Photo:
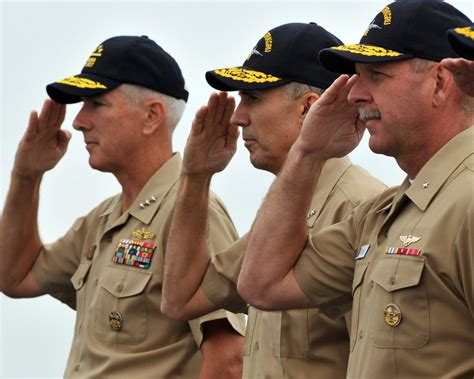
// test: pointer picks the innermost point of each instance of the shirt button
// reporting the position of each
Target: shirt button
(391, 280)
(120, 287)
(76, 368)
(96, 281)
(360, 335)
(257, 346)
(80, 282)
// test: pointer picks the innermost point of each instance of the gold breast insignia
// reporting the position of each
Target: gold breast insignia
(408, 240)
(143, 234)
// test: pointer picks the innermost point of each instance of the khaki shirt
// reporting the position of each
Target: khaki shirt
(120, 331)
(407, 260)
(301, 343)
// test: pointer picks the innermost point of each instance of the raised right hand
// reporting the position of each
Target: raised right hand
(332, 128)
(44, 142)
(213, 139)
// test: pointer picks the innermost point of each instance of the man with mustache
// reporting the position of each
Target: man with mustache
(277, 84)
(409, 253)
(109, 264)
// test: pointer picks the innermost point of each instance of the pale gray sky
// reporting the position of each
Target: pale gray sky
(45, 41)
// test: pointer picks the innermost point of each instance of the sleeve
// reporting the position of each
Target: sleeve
(463, 260)
(57, 263)
(237, 321)
(220, 281)
(325, 268)
(221, 234)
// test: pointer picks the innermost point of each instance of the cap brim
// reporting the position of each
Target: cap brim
(342, 59)
(71, 89)
(462, 41)
(242, 78)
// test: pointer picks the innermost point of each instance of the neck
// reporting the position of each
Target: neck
(440, 134)
(133, 178)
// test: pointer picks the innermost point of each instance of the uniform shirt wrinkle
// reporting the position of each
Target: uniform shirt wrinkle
(302, 343)
(419, 263)
(82, 265)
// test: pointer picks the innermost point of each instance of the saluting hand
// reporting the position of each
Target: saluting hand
(332, 128)
(212, 141)
(44, 142)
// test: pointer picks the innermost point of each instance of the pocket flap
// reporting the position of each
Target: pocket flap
(79, 277)
(123, 283)
(359, 272)
(394, 273)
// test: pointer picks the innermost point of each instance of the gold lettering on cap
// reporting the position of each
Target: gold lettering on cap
(387, 16)
(268, 42)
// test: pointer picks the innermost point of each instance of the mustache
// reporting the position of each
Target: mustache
(368, 114)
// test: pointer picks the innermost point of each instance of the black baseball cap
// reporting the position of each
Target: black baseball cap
(462, 41)
(287, 53)
(119, 60)
(402, 30)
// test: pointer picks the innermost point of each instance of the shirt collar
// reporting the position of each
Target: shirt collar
(150, 197)
(439, 168)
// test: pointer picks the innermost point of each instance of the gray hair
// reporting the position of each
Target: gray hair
(295, 90)
(136, 95)
(420, 66)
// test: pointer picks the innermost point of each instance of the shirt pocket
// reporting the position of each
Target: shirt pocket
(397, 282)
(293, 333)
(359, 274)
(121, 313)
(78, 280)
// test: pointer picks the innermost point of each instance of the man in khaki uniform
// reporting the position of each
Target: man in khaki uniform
(277, 84)
(462, 41)
(109, 265)
(405, 259)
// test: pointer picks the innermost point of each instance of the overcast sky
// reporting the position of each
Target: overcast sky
(45, 41)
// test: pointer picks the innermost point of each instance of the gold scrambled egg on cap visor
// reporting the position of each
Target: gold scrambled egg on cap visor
(462, 41)
(70, 90)
(341, 59)
(242, 78)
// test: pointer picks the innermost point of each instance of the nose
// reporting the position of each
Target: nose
(81, 120)
(240, 116)
(359, 93)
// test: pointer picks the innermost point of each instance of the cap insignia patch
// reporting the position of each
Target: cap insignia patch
(96, 53)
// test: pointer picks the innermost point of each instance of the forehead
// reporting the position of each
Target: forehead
(263, 93)
(387, 66)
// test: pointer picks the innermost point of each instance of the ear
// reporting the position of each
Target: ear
(155, 116)
(444, 84)
(306, 101)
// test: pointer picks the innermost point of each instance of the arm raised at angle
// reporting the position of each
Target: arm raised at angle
(40, 149)
(210, 147)
(279, 234)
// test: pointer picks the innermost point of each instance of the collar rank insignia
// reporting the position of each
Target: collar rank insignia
(134, 253)
(143, 234)
(408, 240)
